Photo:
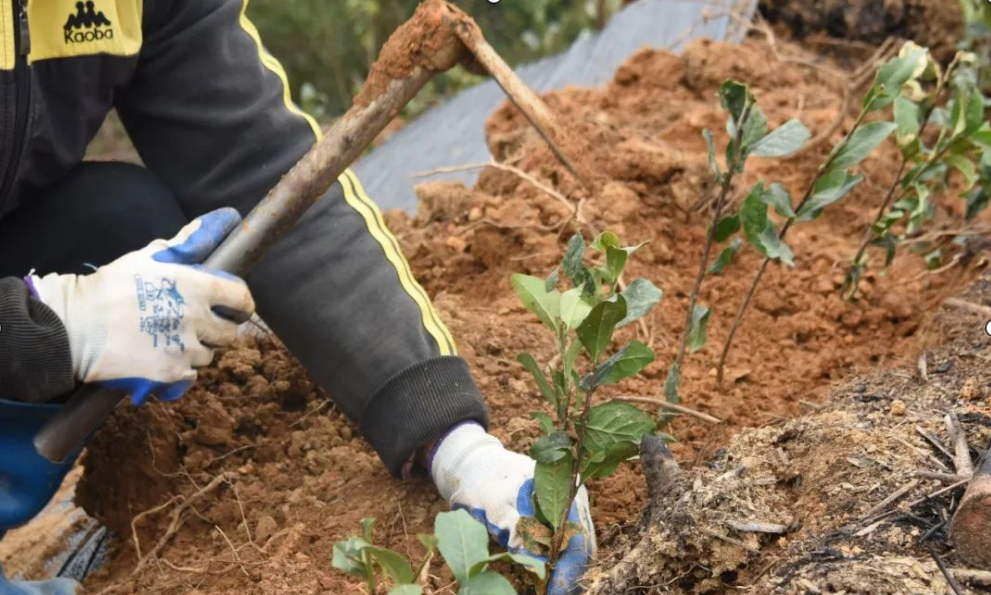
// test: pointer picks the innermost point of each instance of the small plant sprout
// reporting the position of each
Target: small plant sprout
(462, 541)
(951, 110)
(587, 439)
(835, 178)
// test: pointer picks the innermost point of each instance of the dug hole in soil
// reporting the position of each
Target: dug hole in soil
(245, 485)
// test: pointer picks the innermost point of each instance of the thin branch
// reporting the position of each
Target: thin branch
(670, 406)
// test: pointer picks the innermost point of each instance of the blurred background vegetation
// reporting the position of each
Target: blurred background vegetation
(327, 46)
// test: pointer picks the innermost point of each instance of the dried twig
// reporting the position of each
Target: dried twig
(952, 582)
(936, 476)
(729, 540)
(894, 497)
(757, 527)
(961, 451)
(934, 441)
(968, 306)
(669, 406)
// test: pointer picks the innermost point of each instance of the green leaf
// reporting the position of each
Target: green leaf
(628, 361)
(546, 423)
(553, 279)
(596, 331)
(551, 448)
(861, 144)
(533, 293)
(394, 564)
(573, 264)
(462, 541)
(699, 329)
(968, 110)
(717, 171)
(574, 308)
(552, 485)
(615, 264)
(428, 541)
(671, 384)
(406, 590)
(754, 130)
(487, 583)
(606, 463)
(783, 141)
(934, 259)
(641, 296)
(735, 97)
(966, 168)
(530, 563)
(725, 258)
(531, 365)
(366, 528)
(891, 76)
(606, 239)
(759, 230)
(726, 227)
(776, 197)
(570, 357)
(830, 189)
(907, 119)
(348, 556)
(614, 422)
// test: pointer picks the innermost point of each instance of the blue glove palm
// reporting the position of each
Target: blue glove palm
(55, 586)
(473, 471)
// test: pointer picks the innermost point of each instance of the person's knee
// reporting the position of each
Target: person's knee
(121, 199)
(91, 216)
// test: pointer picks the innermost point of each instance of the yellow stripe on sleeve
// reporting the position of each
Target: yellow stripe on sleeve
(355, 196)
(270, 62)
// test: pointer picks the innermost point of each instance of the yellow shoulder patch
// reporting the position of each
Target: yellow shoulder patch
(8, 58)
(70, 28)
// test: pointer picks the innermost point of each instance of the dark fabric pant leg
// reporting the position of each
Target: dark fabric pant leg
(95, 214)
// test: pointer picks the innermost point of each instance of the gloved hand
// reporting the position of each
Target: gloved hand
(57, 586)
(472, 470)
(144, 322)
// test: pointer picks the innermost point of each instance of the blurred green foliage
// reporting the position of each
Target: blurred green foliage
(978, 37)
(327, 47)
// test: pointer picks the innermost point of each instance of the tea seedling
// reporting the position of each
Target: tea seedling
(462, 541)
(952, 111)
(749, 137)
(586, 440)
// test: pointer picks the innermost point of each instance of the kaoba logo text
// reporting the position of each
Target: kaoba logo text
(87, 24)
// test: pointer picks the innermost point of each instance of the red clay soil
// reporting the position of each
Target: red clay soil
(299, 478)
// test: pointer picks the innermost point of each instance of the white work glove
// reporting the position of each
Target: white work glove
(144, 322)
(473, 471)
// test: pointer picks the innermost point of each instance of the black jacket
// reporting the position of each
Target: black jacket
(209, 112)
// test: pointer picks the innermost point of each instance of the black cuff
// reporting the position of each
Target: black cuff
(35, 361)
(419, 404)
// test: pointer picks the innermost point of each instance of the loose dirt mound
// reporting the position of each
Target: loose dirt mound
(295, 477)
(803, 506)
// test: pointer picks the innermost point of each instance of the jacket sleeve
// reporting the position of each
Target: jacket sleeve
(209, 111)
(35, 362)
